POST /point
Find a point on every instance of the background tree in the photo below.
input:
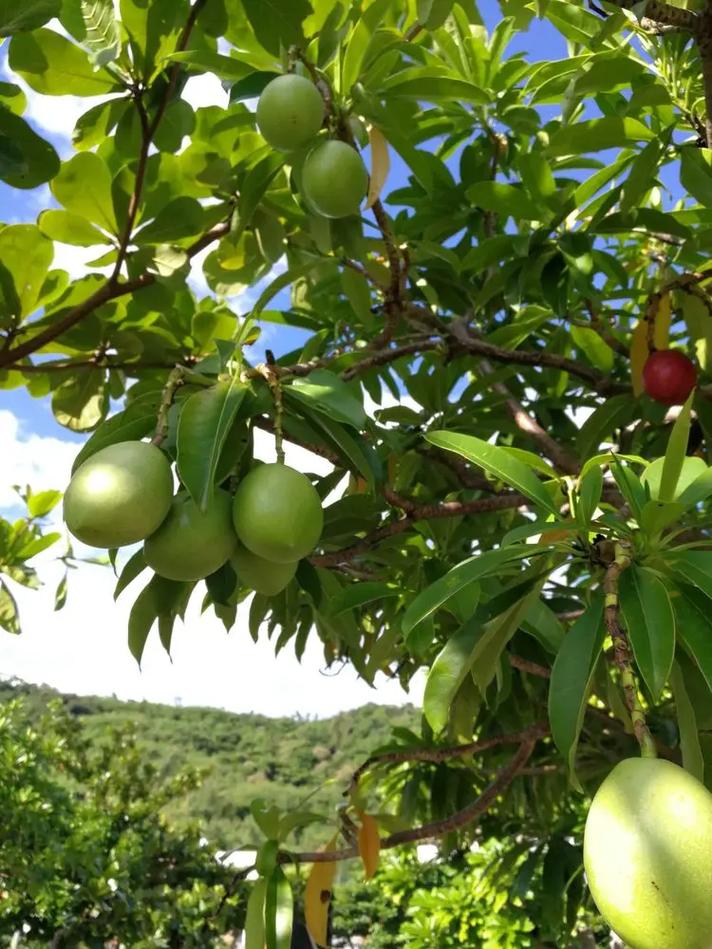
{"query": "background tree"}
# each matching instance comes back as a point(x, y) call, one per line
point(514, 512)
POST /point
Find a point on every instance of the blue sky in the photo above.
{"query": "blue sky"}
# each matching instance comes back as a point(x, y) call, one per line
point(83, 648)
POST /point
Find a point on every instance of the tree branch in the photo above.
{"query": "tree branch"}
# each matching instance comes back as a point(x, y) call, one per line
point(499, 502)
point(105, 293)
point(467, 816)
point(666, 13)
point(527, 424)
point(437, 755)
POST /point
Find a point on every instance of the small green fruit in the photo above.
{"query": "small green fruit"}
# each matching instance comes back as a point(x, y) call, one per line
point(290, 111)
point(262, 576)
point(277, 513)
point(190, 544)
point(647, 847)
point(334, 179)
point(119, 495)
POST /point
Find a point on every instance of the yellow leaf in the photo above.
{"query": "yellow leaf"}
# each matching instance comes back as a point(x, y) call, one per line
point(638, 355)
point(380, 164)
point(317, 897)
point(663, 316)
point(369, 844)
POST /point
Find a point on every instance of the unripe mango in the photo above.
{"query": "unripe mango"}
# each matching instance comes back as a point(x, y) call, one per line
point(648, 855)
point(119, 495)
point(191, 544)
point(262, 576)
point(277, 513)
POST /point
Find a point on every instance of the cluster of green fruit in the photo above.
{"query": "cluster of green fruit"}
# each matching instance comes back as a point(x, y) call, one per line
point(123, 494)
point(331, 175)
point(648, 855)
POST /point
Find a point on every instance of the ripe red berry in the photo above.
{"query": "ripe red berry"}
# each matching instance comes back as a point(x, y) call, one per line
point(669, 376)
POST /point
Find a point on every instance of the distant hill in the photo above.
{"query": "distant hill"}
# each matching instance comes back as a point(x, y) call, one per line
point(246, 756)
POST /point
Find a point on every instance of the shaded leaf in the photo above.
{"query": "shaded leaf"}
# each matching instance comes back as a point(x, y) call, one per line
point(650, 623)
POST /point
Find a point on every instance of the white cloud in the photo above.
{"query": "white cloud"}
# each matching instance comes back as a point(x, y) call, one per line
point(83, 648)
point(26, 458)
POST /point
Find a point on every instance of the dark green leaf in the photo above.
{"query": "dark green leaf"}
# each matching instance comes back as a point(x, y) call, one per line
point(324, 392)
point(277, 23)
point(20, 17)
point(279, 910)
point(650, 623)
point(497, 462)
point(692, 758)
point(571, 677)
point(204, 424)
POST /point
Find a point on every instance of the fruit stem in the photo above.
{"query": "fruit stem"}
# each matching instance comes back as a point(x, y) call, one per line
point(271, 376)
point(175, 379)
point(622, 653)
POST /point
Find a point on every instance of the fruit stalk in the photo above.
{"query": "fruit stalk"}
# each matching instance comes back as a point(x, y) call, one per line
point(271, 375)
point(175, 379)
point(621, 651)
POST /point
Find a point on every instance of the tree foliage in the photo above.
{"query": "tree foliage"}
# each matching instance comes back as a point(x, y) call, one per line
point(513, 513)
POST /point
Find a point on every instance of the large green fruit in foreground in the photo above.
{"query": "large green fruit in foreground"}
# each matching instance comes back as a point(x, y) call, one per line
point(262, 576)
point(334, 179)
point(290, 111)
point(648, 855)
point(277, 513)
point(119, 495)
point(190, 544)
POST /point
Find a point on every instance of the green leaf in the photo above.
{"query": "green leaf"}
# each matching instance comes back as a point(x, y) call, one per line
point(358, 594)
point(691, 469)
point(255, 918)
point(589, 497)
point(136, 421)
point(507, 200)
point(133, 567)
point(358, 293)
point(83, 186)
point(277, 24)
point(571, 678)
point(676, 452)
point(70, 229)
point(432, 84)
point(614, 412)
point(25, 258)
point(693, 624)
point(595, 135)
point(9, 617)
point(204, 423)
point(650, 623)
point(324, 392)
point(692, 758)
point(496, 462)
point(205, 60)
point(101, 31)
point(20, 17)
point(359, 454)
point(41, 503)
point(433, 13)
point(279, 908)
point(82, 401)
point(153, 29)
point(481, 565)
point(495, 636)
point(256, 182)
point(696, 173)
point(698, 490)
point(49, 63)
point(448, 672)
point(26, 160)
point(596, 349)
point(160, 598)
point(694, 566)
point(182, 217)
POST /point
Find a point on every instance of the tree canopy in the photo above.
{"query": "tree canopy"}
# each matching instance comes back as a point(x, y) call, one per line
point(514, 506)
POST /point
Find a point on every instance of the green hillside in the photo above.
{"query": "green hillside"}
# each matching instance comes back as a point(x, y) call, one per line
point(243, 756)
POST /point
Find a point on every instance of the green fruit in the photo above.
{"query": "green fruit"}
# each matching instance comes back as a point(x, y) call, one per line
point(119, 495)
point(262, 576)
point(290, 111)
point(647, 848)
point(190, 544)
point(277, 513)
point(334, 179)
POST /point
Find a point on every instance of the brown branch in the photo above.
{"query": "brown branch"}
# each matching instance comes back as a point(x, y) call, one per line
point(527, 424)
point(467, 816)
point(437, 755)
point(666, 13)
point(105, 293)
point(465, 340)
point(499, 502)
point(384, 356)
point(704, 44)
point(526, 665)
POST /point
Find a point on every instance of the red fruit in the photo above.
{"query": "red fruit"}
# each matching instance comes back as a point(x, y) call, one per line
point(669, 376)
